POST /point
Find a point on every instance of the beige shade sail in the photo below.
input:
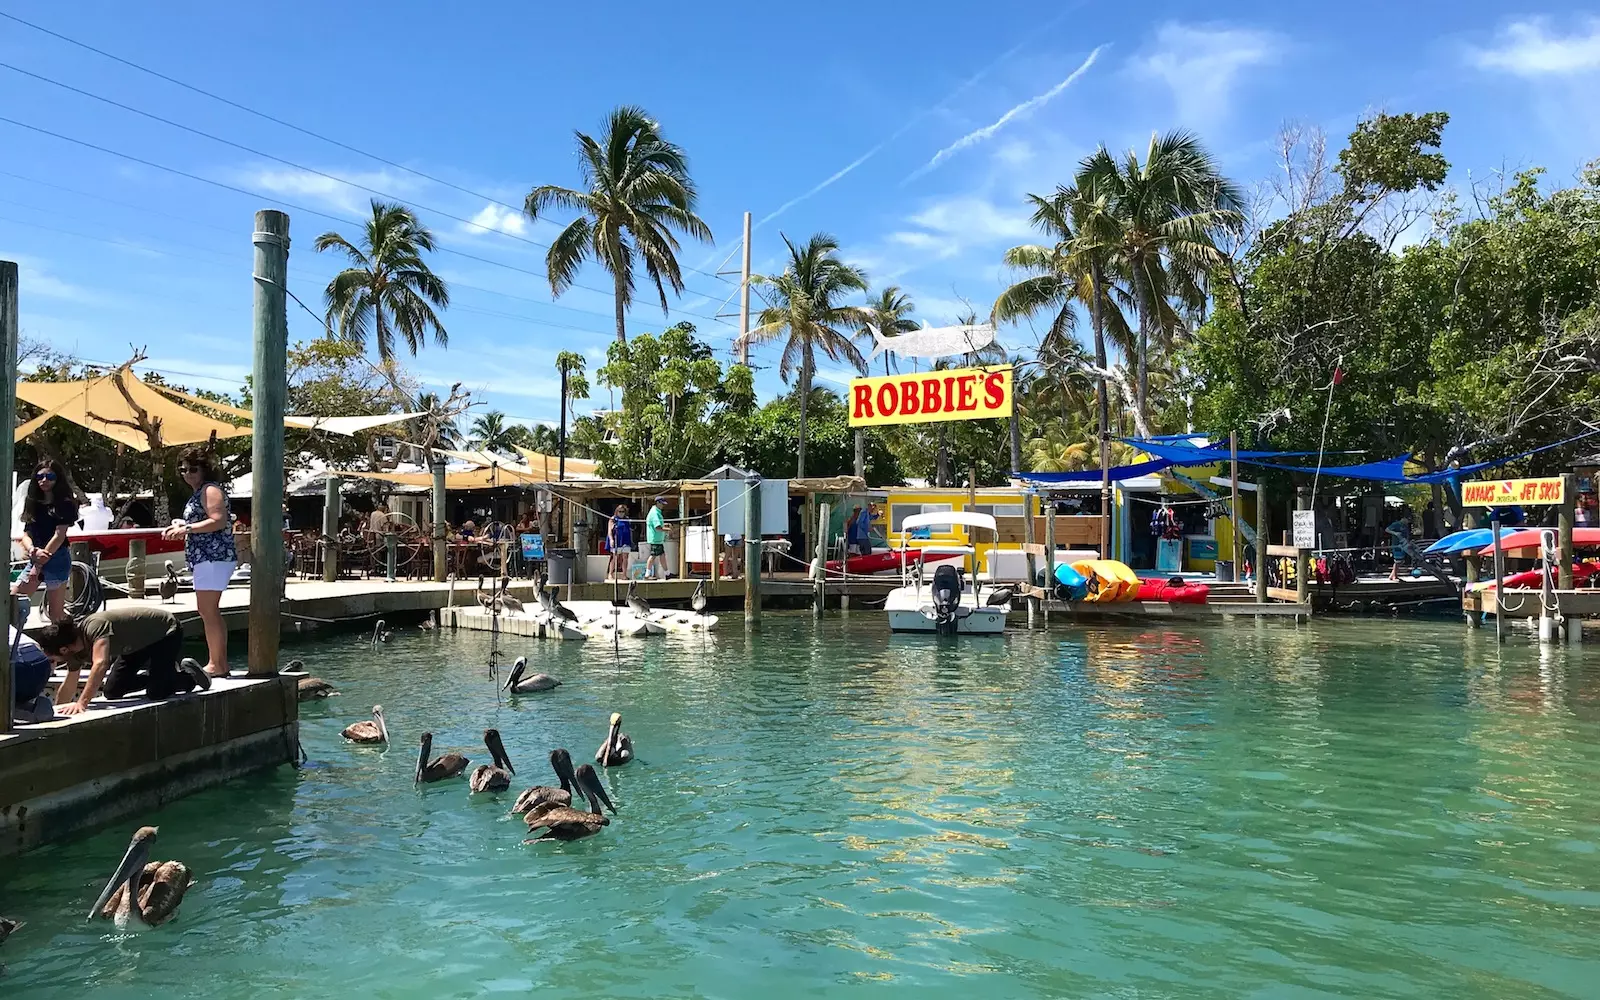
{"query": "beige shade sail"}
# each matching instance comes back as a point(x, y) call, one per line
point(348, 426)
point(111, 405)
point(548, 467)
point(472, 479)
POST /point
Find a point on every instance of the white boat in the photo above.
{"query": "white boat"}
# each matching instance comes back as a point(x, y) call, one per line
point(951, 603)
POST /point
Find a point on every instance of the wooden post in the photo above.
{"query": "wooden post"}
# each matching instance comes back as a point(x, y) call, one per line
point(269, 386)
point(136, 568)
point(1499, 576)
point(821, 582)
point(1569, 498)
point(1238, 522)
point(1049, 556)
point(1028, 539)
point(331, 503)
point(8, 418)
point(683, 534)
point(389, 545)
point(1470, 560)
point(1105, 482)
point(716, 541)
point(1302, 557)
point(1262, 535)
point(752, 548)
point(441, 549)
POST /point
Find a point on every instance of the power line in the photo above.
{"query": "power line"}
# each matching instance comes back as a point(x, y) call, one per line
point(287, 204)
point(277, 121)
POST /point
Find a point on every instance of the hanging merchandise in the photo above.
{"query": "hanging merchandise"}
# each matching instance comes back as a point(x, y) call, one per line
point(1164, 524)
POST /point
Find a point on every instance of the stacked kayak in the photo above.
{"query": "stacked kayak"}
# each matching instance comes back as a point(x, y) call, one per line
point(1174, 591)
point(1070, 584)
point(1107, 581)
point(879, 562)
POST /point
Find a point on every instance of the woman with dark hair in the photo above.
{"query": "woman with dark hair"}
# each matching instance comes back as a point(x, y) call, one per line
point(47, 514)
point(208, 546)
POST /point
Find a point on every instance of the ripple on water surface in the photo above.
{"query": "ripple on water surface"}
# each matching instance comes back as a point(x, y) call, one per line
point(1351, 808)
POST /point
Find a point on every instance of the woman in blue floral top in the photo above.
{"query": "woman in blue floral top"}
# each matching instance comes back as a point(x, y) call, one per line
point(207, 535)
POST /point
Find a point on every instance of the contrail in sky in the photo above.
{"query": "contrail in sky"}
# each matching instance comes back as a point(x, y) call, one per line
point(981, 135)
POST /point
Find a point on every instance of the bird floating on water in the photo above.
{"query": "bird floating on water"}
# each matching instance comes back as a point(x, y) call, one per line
point(169, 584)
point(540, 795)
point(312, 688)
point(637, 604)
point(380, 632)
point(537, 682)
point(8, 927)
point(495, 777)
point(448, 765)
point(149, 889)
point(618, 747)
point(374, 730)
point(564, 822)
point(697, 600)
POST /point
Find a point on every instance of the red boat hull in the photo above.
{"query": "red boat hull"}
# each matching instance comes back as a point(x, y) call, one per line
point(112, 546)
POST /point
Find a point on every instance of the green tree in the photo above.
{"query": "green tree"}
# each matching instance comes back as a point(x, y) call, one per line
point(490, 432)
point(888, 315)
point(388, 287)
point(636, 192)
point(805, 312)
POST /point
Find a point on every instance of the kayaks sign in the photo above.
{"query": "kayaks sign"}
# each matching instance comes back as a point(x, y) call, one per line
point(1501, 492)
point(956, 394)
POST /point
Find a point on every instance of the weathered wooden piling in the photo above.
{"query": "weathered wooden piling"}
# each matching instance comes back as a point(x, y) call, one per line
point(268, 388)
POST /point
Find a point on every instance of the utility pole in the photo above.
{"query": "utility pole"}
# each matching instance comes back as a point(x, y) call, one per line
point(561, 437)
point(744, 297)
point(436, 465)
point(1238, 533)
point(8, 416)
point(269, 387)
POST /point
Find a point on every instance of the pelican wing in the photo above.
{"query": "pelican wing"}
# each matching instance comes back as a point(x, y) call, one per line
point(541, 795)
point(446, 766)
point(564, 818)
point(158, 902)
point(487, 778)
point(362, 732)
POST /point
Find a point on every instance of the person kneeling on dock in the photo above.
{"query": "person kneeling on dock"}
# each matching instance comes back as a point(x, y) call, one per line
point(128, 649)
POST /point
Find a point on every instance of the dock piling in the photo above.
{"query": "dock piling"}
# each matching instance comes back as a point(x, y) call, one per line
point(436, 466)
point(330, 529)
point(752, 549)
point(1499, 576)
point(137, 548)
point(1569, 499)
point(389, 550)
point(1261, 541)
point(821, 576)
point(8, 414)
point(269, 387)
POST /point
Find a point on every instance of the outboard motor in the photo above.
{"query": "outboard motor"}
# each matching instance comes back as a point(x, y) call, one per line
point(946, 593)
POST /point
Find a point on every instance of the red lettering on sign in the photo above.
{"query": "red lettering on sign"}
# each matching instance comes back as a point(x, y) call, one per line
point(909, 400)
point(964, 397)
point(950, 394)
point(994, 390)
point(930, 396)
point(888, 399)
point(862, 401)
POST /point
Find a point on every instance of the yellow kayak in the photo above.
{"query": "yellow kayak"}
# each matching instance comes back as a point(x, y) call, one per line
point(1109, 580)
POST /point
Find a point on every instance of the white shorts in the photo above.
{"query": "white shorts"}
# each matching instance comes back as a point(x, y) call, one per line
point(212, 575)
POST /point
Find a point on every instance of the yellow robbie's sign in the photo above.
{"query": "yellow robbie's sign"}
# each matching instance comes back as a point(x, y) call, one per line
point(956, 394)
point(1503, 492)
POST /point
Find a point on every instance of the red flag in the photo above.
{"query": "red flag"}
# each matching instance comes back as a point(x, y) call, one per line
point(1338, 374)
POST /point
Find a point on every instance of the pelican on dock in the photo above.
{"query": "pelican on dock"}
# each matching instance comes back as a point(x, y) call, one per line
point(538, 682)
point(697, 600)
point(449, 765)
point(368, 731)
point(169, 584)
point(495, 777)
point(148, 889)
point(618, 748)
point(637, 604)
point(510, 604)
point(548, 795)
point(566, 823)
point(552, 604)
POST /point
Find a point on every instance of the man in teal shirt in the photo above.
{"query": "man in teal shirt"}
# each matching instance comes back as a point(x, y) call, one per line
point(655, 535)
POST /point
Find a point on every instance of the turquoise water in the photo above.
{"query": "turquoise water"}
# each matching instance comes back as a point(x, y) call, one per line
point(1354, 808)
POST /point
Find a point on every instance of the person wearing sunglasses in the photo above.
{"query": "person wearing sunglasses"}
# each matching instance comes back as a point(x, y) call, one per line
point(208, 546)
point(47, 514)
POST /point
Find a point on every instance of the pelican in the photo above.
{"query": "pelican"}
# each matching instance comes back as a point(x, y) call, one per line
point(8, 927)
point(310, 688)
point(697, 600)
point(542, 795)
point(169, 585)
point(640, 606)
point(552, 604)
point(427, 625)
point(566, 823)
point(485, 601)
point(444, 766)
point(380, 632)
point(150, 889)
point(364, 731)
point(538, 682)
point(998, 597)
point(494, 777)
point(508, 603)
point(618, 748)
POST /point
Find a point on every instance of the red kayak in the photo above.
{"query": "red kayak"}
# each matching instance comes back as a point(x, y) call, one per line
point(878, 562)
point(1173, 591)
point(1581, 572)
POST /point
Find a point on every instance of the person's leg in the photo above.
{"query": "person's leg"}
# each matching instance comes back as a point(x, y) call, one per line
point(210, 603)
point(160, 660)
point(124, 676)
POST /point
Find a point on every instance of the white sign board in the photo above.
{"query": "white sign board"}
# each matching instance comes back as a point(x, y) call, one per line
point(1305, 529)
point(774, 506)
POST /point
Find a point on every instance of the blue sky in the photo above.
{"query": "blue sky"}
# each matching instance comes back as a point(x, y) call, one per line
point(911, 132)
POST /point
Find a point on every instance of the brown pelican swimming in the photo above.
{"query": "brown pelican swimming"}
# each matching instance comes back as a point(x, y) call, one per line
point(169, 584)
point(618, 748)
point(365, 731)
point(149, 889)
point(697, 600)
point(494, 777)
point(566, 823)
point(537, 682)
point(640, 606)
point(441, 767)
point(314, 687)
point(541, 795)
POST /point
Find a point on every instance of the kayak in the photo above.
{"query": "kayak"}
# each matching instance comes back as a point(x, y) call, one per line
point(1464, 541)
point(1109, 581)
point(1174, 591)
point(1581, 572)
point(1528, 538)
point(879, 562)
point(1070, 584)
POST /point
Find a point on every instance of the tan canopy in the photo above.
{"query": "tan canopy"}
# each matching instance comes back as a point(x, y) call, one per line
point(472, 479)
point(548, 467)
point(121, 407)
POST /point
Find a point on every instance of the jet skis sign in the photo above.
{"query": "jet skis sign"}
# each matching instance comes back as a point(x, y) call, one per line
point(1503, 492)
point(925, 397)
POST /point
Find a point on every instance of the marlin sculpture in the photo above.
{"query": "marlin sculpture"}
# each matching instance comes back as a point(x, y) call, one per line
point(934, 342)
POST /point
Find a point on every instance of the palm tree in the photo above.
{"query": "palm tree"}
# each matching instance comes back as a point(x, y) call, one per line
point(637, 190)
point(491, 433)
point(1160, 216)
point(388, 286)
point(890, 315)
point(805, 309)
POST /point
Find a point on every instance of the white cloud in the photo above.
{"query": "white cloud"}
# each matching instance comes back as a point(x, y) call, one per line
point(533, 388)
point(978, 136)
point(972, 219)
point(34, 279)
point(838, 376)
point(1201, 65)
point(1531, 48)
point(337, 190)
point(497, 218)
point(941, 246)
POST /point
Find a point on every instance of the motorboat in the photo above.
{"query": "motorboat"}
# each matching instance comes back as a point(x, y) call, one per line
point(953, 602)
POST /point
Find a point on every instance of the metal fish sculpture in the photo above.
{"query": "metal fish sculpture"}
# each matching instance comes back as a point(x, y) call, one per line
point(934, 342)
point(566, 823)
point(150, 890)
point(494, 777)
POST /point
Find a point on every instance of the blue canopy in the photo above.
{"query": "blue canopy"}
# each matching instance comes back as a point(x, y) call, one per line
point(1118, 473)
point(1465, 541)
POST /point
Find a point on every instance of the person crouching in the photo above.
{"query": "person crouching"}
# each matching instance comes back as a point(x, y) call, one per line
point(127, 649)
